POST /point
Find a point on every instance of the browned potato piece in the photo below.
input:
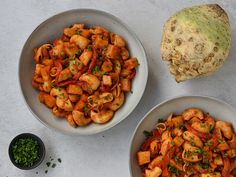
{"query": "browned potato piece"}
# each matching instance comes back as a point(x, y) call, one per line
point(143, 157)
point(47, 99)
point(64, 75)
point(131, 63)
point(74, 89)
point(70, 48)
point(71, 121)
point(106, 80)
point(113, 52)
point(86, 56)
point(100, 43)
point(81, 41)
point(125, 85)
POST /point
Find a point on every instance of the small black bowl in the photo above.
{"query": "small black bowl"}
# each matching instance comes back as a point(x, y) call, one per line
point(41, 150)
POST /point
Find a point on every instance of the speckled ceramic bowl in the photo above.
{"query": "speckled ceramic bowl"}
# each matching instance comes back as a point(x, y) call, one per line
point(52, 29)
point(218, 109)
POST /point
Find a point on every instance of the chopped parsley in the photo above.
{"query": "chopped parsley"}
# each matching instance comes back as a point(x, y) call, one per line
point(48, 164)
point(172, 143)
point(25, 151)
point(86, 108)
point(173, 170)
point(147, 133)
point(96, 69)
point(72, 62)
point(59, 160)
point(54, 165)
point(78, 53)
point(181, 126)
point(204, 165)
point(78, 32)
point(90, 48)
point(161, 120)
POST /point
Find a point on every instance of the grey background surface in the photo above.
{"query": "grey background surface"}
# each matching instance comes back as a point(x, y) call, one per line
point(105, 154)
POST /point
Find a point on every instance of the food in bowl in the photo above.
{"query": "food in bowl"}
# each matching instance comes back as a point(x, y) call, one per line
point(196, 41)
point(26, 151)
point(84, 75)
point(190, 144)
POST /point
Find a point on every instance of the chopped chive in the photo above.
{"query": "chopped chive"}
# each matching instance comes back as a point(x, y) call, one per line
point(147, 133)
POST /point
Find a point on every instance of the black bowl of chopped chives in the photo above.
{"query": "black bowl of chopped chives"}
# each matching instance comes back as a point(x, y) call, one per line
point(26, 151)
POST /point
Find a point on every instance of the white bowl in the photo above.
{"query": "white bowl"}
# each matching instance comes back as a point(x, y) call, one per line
point(218, 109)
point(52, 29)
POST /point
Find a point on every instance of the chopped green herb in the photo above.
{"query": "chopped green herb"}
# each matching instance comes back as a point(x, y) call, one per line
point(202, 125)
point(72, 62)
point(147, 133)
point(78, 32)
point(204, 165)
point(172, 143)
point(54, 165)
point(89, 48)
point(221, 141)
point(211, 127)
point(53, 85)
point(173, 170)
point(181, 126)
point(105, 73)
point(25, 151)
point(225, 155)
point(78, 53)
point(48, 164)
point(131, 92)
point(46, 171)
point(86, 108)
point(59, 160)
point(176, 158)
point(161, 120)
point(96, 69)
point(208, 143)
point(192, 143)
point(109, 66)
point(62, 95)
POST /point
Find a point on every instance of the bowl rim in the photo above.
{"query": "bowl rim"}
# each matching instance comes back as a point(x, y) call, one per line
point(162, 103)
point(41, 146)
point(133, 34)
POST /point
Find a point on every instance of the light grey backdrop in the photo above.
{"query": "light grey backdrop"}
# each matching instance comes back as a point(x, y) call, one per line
point(106, 154)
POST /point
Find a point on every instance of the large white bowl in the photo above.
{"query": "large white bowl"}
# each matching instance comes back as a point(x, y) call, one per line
point(218, 109)
point(52, 29)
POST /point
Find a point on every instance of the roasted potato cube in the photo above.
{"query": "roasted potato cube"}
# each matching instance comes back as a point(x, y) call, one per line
point(113, 52)
point(74, 89)
point(107, 66)
point(178, 141)
point(79, 40)
point(74, 98)
point(119, 41)
point(86, 56)
point(70, 48)
point(47, 99)
point(125, 85)
point(131, 63)
point(218, 160)
point(64, 75)
point(106, 80)
point(143, 157)
point(100, 43)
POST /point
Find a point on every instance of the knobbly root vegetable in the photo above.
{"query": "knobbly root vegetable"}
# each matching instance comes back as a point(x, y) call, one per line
point(196, 41)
